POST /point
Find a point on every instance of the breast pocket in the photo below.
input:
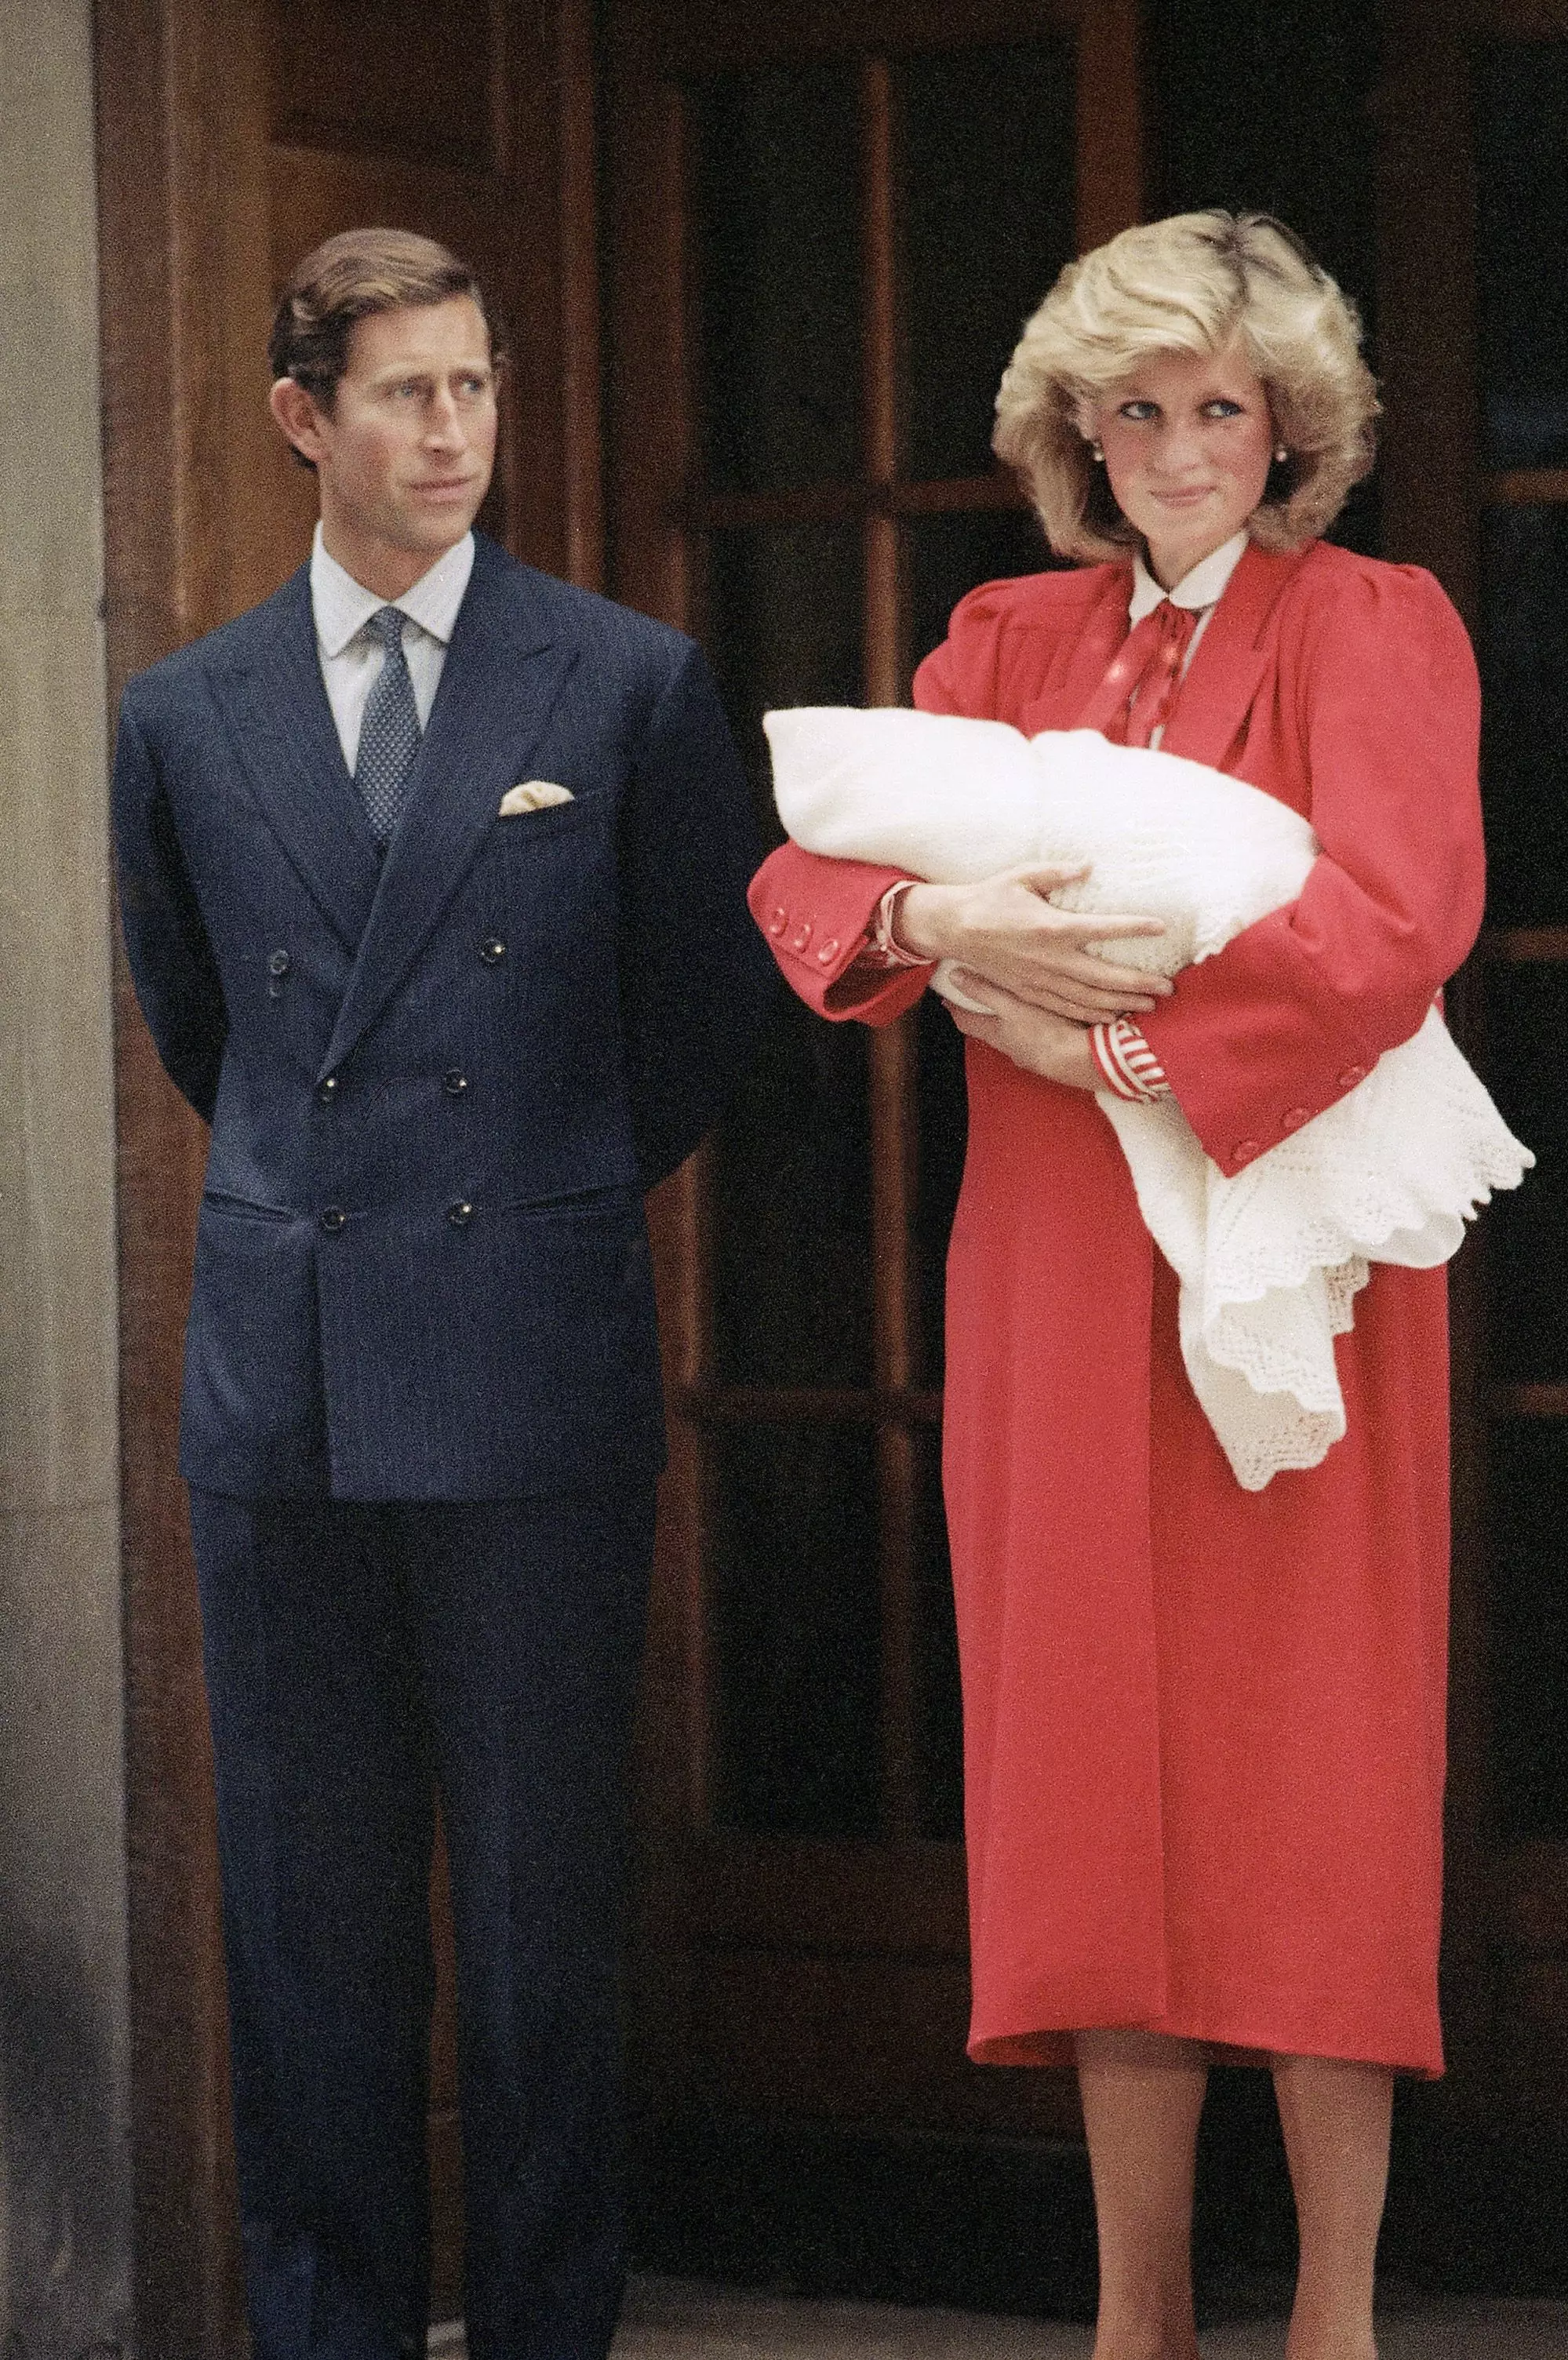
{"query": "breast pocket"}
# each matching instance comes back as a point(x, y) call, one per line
point(524, 833)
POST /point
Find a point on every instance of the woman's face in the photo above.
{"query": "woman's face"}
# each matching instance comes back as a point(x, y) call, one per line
point(1188, 440)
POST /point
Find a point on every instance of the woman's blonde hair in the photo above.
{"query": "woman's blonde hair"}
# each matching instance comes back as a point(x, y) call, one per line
point(1190, 285)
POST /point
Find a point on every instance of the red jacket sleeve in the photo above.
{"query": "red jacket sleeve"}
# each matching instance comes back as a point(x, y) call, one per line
point(1296, 1010)
point(815, 914)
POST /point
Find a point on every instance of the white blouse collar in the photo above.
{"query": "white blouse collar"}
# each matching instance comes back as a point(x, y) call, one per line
point(1200, 588)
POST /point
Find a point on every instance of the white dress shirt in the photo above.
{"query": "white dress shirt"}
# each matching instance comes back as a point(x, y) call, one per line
point(351, 661)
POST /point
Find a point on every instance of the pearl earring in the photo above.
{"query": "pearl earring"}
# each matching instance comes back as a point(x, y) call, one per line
point(1281, 455)
point(1097, 454)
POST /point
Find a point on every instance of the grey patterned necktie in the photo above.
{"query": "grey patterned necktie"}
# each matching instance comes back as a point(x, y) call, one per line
point(390, 733)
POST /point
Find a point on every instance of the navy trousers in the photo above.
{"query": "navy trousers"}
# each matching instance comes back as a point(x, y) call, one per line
point(359, 1658)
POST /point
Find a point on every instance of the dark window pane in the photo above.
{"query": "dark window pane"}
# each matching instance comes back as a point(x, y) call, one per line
point(1525, 1228)
point(1529, 1626)
point(792, 1259)
point(942, 1129)
point(988, 223)
point(1521, 90)
point(798, 1630)
point(941, 1711)
point(1524, 661)
point(777, 200)
point(784, 610)
point(949, 556)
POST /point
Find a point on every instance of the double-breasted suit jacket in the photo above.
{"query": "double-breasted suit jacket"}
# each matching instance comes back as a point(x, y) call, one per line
point(438, 1084)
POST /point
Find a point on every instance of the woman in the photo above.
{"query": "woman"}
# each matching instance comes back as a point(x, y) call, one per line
point(1204, 1727)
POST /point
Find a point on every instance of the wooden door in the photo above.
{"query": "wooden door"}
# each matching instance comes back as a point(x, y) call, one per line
point(1473, 167)
point(827, 227)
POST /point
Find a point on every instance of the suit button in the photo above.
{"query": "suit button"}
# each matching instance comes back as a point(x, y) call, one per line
point(777, 921)
point(1351, 1076)
point(1293, 1118)
point(327, 1090)
point(332, 1219)
point(460, 1215)
point(493, 952)
point(453, 1083)
point(829, 951)
point(801, 935)
point(1243, 1150)
point(279, 963)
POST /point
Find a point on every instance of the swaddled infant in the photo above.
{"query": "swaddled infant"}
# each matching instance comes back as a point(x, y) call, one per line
point(1270, 1259)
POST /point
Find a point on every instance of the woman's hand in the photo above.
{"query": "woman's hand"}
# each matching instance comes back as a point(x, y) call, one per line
point(1040, 1042)
point(1004, 931)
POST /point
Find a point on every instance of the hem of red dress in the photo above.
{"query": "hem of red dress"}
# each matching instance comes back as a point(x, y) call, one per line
point(1236, 2044)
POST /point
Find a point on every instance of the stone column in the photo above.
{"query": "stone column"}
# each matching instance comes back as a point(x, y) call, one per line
point(65, 2214)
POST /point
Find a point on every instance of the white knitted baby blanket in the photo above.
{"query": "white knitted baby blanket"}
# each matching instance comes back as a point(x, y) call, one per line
point(1269, 1262)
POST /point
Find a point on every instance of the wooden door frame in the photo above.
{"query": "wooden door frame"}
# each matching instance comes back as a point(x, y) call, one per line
point(184, 310)
point(1434, 493)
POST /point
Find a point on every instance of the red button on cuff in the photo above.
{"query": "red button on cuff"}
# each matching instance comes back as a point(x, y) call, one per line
point(1293, 1118)
point(777, 921)
point(829, 951)
point(801, 936)
point(1351, 1076)
point(1243, 1150)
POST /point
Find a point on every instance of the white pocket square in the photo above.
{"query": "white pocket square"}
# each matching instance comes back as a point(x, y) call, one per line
point(532, 794)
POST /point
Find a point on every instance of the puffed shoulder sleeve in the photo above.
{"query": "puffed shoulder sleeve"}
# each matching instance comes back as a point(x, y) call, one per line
point(1296, 1010)
point(963, 675)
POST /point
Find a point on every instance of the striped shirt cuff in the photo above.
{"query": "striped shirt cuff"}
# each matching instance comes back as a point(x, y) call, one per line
point(1127, 1065)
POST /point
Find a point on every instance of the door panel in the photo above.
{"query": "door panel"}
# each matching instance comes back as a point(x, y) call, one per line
point(825, 241)
point(1475, 340)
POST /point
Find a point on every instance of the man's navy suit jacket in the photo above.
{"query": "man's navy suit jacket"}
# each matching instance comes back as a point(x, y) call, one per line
point(438, 1084)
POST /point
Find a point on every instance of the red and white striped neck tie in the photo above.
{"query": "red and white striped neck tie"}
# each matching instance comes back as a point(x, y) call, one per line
point(1150, 662)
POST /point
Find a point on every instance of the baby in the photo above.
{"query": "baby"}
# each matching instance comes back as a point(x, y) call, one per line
point(1269, 1261)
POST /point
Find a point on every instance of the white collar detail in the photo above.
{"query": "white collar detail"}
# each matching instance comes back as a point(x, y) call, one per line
point(1202, 587)
point(342, 606)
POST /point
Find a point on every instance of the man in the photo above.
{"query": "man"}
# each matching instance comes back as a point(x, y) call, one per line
point(433, 882)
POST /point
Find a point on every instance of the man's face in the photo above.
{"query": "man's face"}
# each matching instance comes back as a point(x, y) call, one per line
point(403, 458)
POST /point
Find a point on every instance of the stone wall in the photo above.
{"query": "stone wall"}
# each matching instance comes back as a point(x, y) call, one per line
point(64, 2147)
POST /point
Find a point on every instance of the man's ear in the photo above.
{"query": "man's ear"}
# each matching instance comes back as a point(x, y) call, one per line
point(298, 414)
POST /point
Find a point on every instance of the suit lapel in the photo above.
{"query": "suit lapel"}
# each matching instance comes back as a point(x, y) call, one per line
point(1232, 657)
point(1085, 657)
point(503, 672)
point(271, 693)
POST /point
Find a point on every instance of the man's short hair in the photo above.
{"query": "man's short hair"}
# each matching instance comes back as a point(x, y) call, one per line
point(347, 278)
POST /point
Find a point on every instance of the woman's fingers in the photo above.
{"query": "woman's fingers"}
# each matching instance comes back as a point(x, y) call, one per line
point(1104, 929)
point(1055, 998)
point(1045, 882)
point(1102, 974)
point(1079, 976)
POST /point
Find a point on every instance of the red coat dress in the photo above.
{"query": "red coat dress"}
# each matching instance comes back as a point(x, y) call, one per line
point(1204, 1727)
